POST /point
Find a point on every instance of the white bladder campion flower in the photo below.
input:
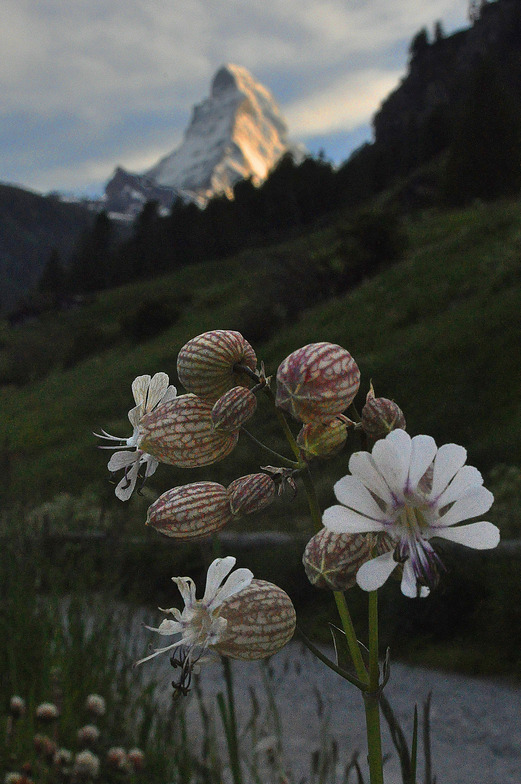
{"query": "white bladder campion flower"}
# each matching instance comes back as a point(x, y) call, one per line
point(149, 393)
point(414, 492)
point(199, 624)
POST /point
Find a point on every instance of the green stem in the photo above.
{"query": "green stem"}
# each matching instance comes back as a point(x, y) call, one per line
point(287, 432)
point(374, 741)
point(332, 666)
point(349, 630)
point(371, 698)
point(374, 673)
point(311, 495)
point(284, 460)
point(343, 610)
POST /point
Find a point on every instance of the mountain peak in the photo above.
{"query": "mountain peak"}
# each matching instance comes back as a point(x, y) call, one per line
point(238, 132)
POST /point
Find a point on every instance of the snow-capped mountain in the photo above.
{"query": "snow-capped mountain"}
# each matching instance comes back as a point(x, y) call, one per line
point(238, 132)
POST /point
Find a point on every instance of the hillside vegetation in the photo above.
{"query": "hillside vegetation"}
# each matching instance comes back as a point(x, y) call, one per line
point(438, 331)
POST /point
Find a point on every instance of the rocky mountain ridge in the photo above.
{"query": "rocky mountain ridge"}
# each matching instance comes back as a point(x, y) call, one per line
point(238, 132)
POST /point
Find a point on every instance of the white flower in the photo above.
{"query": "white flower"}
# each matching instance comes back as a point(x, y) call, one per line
point(414, 492)
point(47, 711)
point(200, 624)
point(149, 393)
point(95, 704)
point(88, 734)
point(86, 765)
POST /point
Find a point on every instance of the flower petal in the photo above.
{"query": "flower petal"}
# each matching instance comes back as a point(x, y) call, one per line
point(392, 457)
point(187, 589)
point(467, 477)
point(480, 536)
point(217, 571)
point(151, 464)
point(423, 452)
point(140, 388)
point(169, 395)
point(352, 493)
point(362, 465)
point(122, 459)
point(373, 574)
point(135, 415)
point(167, 627)
point(236, 582)
point(449, 459)
point(156, 390)
point(126, 486)
point(409, 585)
point(342, 520)
point(476, 501)
point(158, 651)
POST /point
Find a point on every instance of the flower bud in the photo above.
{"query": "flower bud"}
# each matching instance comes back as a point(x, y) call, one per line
point(206, 365)
point(191, 511)
point(332, 560)
point(317, 439)
point(233, 409)
point(380, 416)
point(317, 382)
point(181, 433)
point(251, 493)
point(260, 621)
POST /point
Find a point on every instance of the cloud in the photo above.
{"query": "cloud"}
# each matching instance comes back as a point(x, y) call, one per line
point(343, 106)
point(90, 83)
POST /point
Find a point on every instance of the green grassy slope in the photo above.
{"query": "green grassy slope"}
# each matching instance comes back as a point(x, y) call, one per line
point(440, 332)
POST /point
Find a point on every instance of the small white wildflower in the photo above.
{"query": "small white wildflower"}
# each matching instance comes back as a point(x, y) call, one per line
point(86, 765)
point(88, 734)
point(47, 711)
point(13, 778)
point(414, 492)
point(95, 704)
point(149, 393)
point(136, 758)
point(62, 758)
point(117, 758)
point(200, 624)
point(16, 706)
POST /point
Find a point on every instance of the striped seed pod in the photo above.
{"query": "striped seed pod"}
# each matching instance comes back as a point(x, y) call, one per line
point(191, 511)
point(332, 560)
point(181, 433)
point(317, 382)
point(260, 621)
point(206, 365)
point(251, 493)
point(233, 409)
point(317, 439)
point(380, 416)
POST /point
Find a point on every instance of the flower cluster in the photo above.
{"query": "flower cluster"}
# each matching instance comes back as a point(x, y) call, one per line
point(91, 759)
point(397, 498)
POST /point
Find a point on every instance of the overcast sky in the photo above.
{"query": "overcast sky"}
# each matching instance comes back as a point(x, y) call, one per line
point(90, 84)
